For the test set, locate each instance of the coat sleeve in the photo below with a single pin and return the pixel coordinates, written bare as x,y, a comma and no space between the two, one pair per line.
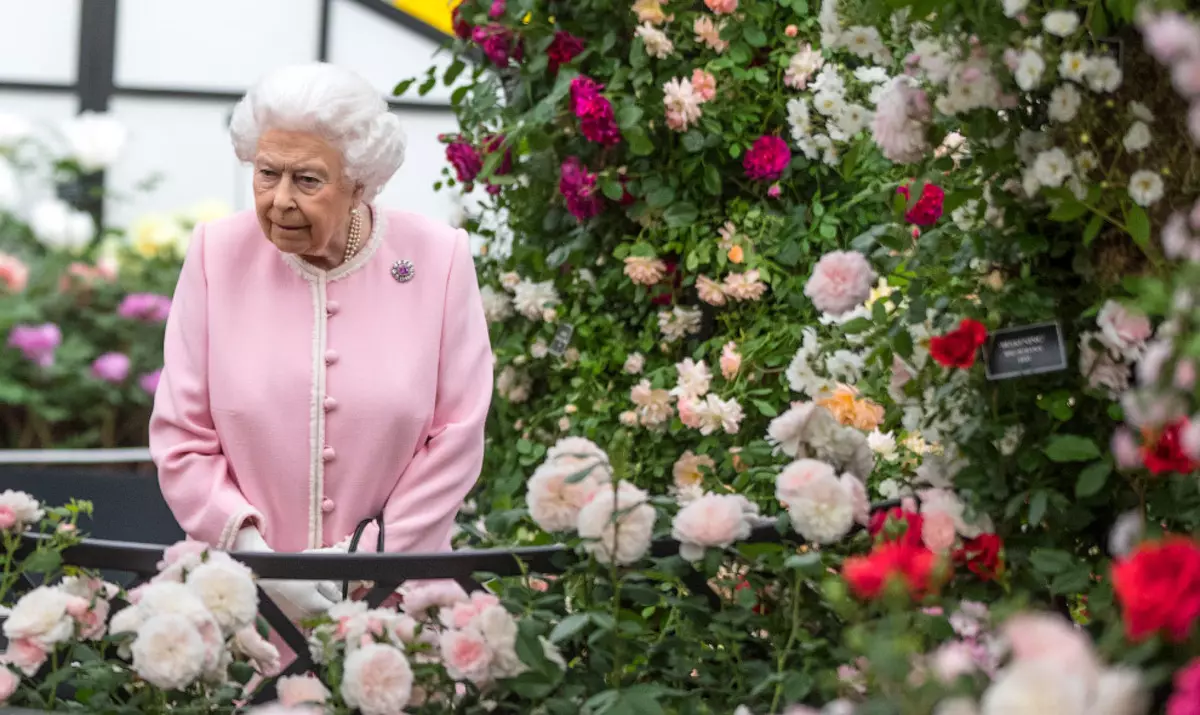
420,512
192,470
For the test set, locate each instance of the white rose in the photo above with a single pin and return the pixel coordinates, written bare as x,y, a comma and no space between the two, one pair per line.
1060,23
227,589
19,508
94,140
169,652
41,616
57,225
378,680
624,539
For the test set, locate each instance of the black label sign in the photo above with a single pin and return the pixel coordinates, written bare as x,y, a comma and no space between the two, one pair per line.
1028,350
562,338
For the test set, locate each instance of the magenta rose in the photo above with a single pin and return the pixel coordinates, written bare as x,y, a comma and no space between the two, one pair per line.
111,367
766,160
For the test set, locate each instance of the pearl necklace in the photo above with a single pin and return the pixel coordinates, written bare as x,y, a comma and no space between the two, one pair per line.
354,239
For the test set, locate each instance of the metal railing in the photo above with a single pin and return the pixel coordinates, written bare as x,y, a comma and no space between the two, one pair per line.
385,571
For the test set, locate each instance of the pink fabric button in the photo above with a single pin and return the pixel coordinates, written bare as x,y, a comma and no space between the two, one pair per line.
330,404
331,308
331,357
326,505
328,454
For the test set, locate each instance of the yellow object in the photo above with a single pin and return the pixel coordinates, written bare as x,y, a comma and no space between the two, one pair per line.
435,13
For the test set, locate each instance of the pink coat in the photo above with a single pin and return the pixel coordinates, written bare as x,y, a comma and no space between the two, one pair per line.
306,400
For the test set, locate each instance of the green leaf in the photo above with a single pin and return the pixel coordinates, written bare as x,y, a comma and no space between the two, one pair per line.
766,408
452,72
629,116
1051,561
1138,224
639,143
612,189
712,180
803,562
1068,210
1092,478
1071,448
681,214
1070,582
903,344
1037,507
754,35
403,87
43,561
661,197
693,141
1093,228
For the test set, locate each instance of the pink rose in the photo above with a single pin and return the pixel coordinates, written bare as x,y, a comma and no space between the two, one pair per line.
713,520
704,84
467,655
1123,329
186,550
14,276
937,530
1052,640
300,689
1186,77
840,282
421,596
722,7
1171,36
8,684
92,618
26,655
378,679
111,367
791,31
688,414
8,517
262,654
731,360
952,660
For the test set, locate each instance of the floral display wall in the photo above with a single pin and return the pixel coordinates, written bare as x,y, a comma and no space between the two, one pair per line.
846,349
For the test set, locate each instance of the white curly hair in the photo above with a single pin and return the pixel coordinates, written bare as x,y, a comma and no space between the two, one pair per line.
332,102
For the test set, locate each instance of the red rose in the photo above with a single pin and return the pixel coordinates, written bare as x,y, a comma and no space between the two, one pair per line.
928,208
879,528
758,607
462,28
1158,587
957,348
982,556
563,48
1165,453
869,575
766,160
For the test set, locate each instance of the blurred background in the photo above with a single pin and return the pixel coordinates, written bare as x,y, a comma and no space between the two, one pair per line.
170,72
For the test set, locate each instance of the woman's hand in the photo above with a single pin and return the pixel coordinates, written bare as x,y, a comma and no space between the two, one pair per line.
297,599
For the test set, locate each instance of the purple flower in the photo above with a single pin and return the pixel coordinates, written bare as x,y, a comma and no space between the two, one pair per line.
36,342
145,306
111,367
149,381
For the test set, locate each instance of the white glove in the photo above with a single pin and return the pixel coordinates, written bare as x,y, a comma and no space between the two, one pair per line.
342,547
297,599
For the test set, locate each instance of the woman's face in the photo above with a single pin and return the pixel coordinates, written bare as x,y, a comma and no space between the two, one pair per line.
301,195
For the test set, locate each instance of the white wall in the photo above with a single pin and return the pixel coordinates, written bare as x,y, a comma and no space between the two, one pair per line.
223,46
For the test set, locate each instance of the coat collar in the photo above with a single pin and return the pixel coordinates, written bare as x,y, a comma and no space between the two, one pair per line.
309,272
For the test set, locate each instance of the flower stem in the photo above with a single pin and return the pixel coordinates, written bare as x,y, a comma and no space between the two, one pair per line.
781,661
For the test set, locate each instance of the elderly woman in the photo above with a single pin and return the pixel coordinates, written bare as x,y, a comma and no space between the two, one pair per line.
326,361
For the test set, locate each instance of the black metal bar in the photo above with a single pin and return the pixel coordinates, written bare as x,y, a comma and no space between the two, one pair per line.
47,87
323,33
94,79
403,19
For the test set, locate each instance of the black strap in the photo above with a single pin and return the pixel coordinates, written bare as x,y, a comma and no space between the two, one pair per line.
358,532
